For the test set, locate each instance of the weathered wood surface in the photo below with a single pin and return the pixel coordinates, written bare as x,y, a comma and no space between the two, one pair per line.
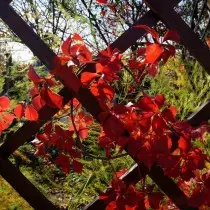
24,187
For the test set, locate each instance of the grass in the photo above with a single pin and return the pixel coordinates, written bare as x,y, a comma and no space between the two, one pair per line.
10,199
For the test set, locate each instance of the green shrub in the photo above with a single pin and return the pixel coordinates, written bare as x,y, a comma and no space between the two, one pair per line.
185,85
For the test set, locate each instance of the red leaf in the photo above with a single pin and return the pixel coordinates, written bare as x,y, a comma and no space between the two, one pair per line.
75,49
3,126
19,111
111,125
186,172
166,55
6,120
99,68
84,54
34,91
167,161
38,103
119,109
94,89
50,81
63,161
171,163
181,127
158,124
104,2
153,69
145,121
149,30
159,100
88,77
107,144
108,91
141,51
147,155
68,77
77,37
161,143
88,119
40,149
196,159
184,144
83,132
133,64
33,76
198,197
104,141
52,99
66,46
77,166
112,206
121,172
169,114
153,53
147,105
4,103
171,35
75,154
31,114
154,199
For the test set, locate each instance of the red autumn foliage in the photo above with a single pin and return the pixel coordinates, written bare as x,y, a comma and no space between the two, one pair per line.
6,118
52,99
28,111
155,52
103,2
143,127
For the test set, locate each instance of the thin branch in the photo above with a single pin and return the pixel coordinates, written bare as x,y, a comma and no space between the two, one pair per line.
95,22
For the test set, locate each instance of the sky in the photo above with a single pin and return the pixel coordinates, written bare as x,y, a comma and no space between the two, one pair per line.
20,52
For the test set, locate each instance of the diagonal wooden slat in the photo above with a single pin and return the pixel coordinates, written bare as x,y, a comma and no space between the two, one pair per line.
157,174
201,115
132,176
24,187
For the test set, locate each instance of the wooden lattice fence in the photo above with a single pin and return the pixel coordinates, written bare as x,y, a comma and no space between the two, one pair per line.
160,10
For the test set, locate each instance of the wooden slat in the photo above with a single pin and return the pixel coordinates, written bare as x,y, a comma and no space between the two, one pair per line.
130,37
157,174
201,115
132,176
24,187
